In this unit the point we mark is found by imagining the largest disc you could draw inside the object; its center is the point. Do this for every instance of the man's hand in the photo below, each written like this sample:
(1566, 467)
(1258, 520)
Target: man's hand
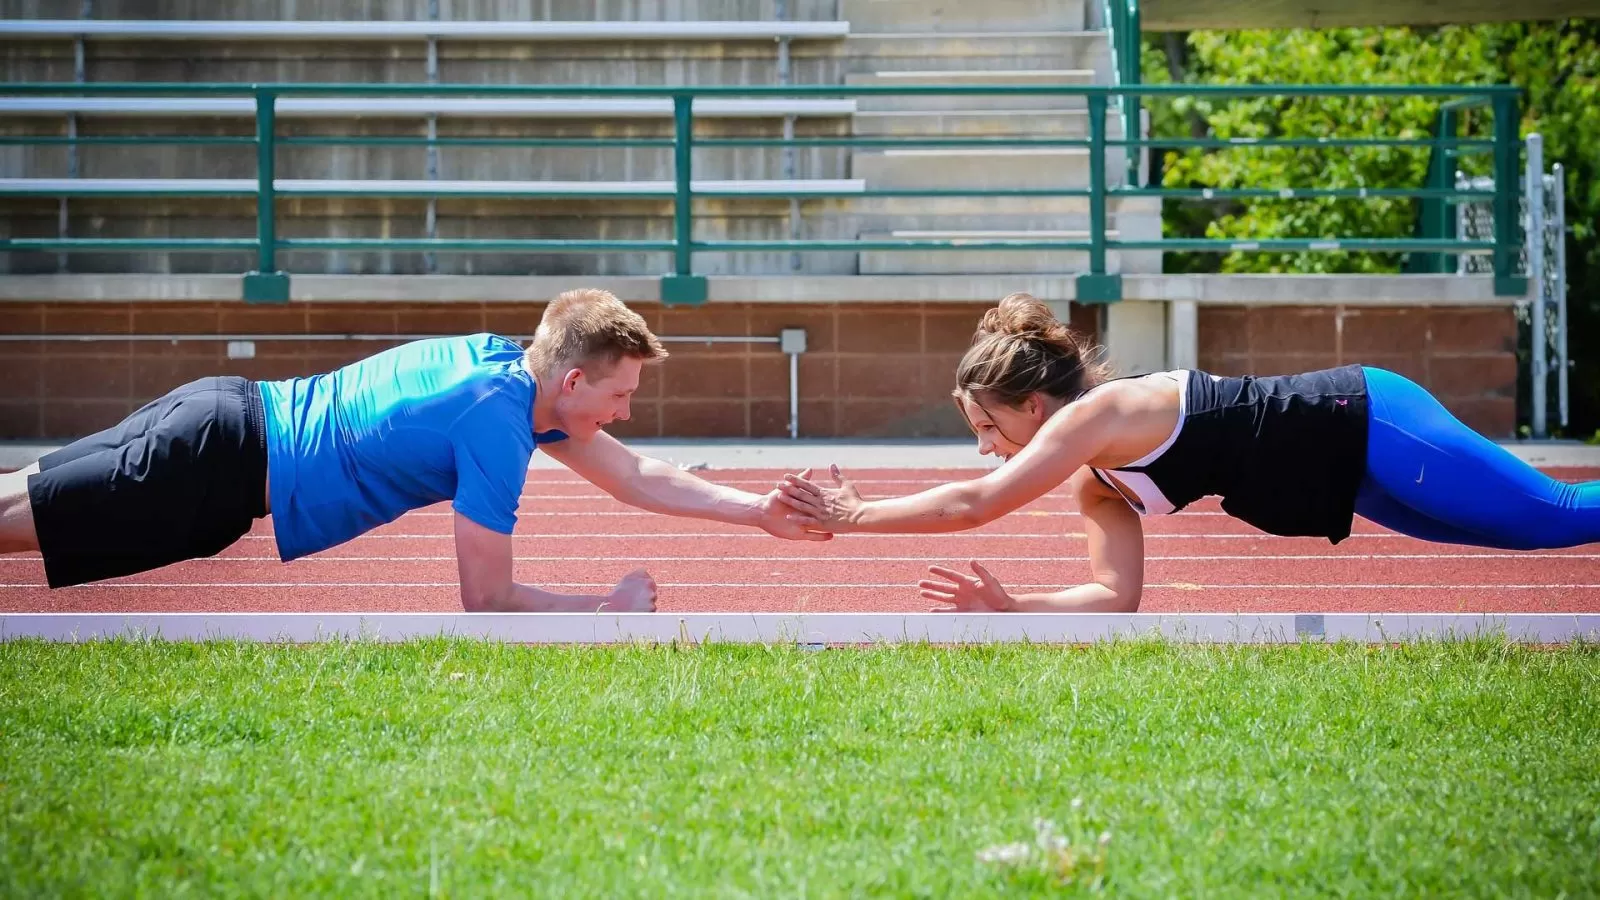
(828, 507)
(965, 593)
(636, 592)
(780, 519)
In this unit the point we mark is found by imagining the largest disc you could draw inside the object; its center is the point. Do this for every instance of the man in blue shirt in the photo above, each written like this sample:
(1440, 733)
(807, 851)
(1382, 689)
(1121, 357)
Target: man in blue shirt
(335, 455)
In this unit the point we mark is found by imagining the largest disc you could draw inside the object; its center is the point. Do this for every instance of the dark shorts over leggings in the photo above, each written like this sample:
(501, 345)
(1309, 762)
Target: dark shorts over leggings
(182, 478)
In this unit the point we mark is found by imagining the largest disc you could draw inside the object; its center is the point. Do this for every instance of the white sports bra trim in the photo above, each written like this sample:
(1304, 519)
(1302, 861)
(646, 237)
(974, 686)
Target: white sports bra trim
(1147, 499)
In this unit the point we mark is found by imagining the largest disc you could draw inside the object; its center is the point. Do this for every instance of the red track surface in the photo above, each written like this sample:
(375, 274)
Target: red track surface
(572, 538)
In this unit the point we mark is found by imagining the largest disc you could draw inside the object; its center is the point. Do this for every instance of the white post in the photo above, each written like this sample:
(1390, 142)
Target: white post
(1534, 185)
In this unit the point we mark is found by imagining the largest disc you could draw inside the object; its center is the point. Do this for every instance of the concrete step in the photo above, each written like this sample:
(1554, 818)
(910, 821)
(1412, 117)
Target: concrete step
(1041, 123)
(982, 167)
(997, 77)
(980, 51)
(995, 262)
(1070, 212)
(873, 16)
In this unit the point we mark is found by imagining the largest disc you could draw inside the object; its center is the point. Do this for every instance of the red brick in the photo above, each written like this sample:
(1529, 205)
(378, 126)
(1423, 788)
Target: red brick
(820, 324)
(86, 378)
(706, 377)
(1291, 363)
(650, 380)
(441, 318)
(869, 418)
(703, 418)
(1289, 329)
(819, 377)
(88, 318)
(944, 332)
(721, 320)
(1381, 332)
(1494, 417)
(517, 321)
(889, 377)
(1473, 376)
(1223, 330)
(353, 318)
(1412, 367)
(242, 318)
(21, 374)
(20, 419)
(770, 419)
(938, 376)
(645, 422)
(21, 318)
(1226, 364)
(1473, 330)
(769, 375)
(896, 331)
(155, 374)
(267, 368)
(72, 419)
(175, 318)
(1086, 319)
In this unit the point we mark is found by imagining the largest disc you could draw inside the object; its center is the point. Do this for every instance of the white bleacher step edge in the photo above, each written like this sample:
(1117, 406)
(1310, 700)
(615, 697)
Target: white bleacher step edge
(352, 187)
(475, 30)
(445, 107)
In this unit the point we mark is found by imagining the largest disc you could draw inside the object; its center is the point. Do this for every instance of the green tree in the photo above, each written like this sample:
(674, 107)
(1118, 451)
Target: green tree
(1556, 64)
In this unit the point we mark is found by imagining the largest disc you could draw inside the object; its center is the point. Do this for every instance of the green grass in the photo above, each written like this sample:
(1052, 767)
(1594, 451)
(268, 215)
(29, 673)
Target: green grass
(466, 769)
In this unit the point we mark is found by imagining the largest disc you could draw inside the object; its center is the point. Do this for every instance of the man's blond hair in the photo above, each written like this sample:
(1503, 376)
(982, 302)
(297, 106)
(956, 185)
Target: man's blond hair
(589, 327)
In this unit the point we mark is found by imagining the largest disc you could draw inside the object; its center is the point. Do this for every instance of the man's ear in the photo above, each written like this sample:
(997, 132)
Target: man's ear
(571, 379)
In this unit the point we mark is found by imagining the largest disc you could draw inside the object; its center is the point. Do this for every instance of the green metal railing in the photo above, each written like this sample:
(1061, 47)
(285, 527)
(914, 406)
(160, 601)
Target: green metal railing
(269, 283)
(1127, 39)
(1436, 217)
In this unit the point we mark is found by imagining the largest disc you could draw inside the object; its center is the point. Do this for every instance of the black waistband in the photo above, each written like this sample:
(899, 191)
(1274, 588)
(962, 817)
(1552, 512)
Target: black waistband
(255, 436)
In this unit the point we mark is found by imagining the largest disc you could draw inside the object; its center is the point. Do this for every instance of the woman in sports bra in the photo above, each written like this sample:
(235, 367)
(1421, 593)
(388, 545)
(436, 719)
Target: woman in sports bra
(1292, 455)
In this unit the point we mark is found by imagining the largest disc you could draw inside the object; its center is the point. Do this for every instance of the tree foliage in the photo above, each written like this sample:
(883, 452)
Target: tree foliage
(1556, 64)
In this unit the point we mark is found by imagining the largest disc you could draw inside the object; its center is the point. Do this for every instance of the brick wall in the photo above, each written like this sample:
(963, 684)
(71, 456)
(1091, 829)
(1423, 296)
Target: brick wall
(1466, 356)
(871, 370)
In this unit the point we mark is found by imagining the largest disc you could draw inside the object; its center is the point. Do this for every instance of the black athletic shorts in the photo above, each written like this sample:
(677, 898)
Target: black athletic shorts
(182, 478)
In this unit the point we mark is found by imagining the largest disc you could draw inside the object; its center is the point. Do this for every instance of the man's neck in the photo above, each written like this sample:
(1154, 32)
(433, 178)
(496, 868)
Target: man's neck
(544, 405)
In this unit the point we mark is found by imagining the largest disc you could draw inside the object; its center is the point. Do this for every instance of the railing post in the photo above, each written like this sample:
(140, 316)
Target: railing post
(683, 287)
(1507, 218)
(1096, 286)
(266, 284)
(1539, 335)
(1132, 74)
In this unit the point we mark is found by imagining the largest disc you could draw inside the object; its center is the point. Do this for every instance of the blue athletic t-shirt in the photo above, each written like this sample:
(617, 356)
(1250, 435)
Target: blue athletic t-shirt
(418, 424)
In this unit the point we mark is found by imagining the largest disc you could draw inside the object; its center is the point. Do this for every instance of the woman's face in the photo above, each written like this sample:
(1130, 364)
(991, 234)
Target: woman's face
(1003, 430)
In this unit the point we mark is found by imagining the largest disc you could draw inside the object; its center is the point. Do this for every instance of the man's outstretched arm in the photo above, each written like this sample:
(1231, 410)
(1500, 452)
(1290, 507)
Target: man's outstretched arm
(483, 558)
(661, 487)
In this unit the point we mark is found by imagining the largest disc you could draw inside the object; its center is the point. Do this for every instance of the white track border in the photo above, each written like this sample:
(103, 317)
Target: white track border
(811, 629)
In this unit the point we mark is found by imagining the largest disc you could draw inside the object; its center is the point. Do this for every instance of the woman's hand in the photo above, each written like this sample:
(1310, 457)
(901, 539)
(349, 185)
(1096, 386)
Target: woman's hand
(966, 593)
(832, 509)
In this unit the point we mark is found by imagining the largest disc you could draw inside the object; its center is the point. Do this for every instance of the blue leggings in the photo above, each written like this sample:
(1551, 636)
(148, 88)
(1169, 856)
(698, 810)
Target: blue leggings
(1431, 477)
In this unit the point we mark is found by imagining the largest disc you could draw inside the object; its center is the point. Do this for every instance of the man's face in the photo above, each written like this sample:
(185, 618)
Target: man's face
(593, 396)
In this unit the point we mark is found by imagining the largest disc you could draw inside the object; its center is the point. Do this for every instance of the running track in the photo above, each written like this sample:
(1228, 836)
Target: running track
(571, 538)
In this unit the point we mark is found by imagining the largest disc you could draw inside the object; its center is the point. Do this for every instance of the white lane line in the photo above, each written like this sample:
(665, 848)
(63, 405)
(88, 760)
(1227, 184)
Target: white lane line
(1179, 586)
(724, 535)
(1251, 557)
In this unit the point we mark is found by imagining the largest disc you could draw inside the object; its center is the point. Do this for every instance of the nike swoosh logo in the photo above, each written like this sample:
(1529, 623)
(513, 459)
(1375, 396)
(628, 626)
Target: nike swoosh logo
(1419, 474)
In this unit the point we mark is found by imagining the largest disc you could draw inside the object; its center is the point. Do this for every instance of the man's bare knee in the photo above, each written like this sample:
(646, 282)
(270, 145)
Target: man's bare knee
(17, 534)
